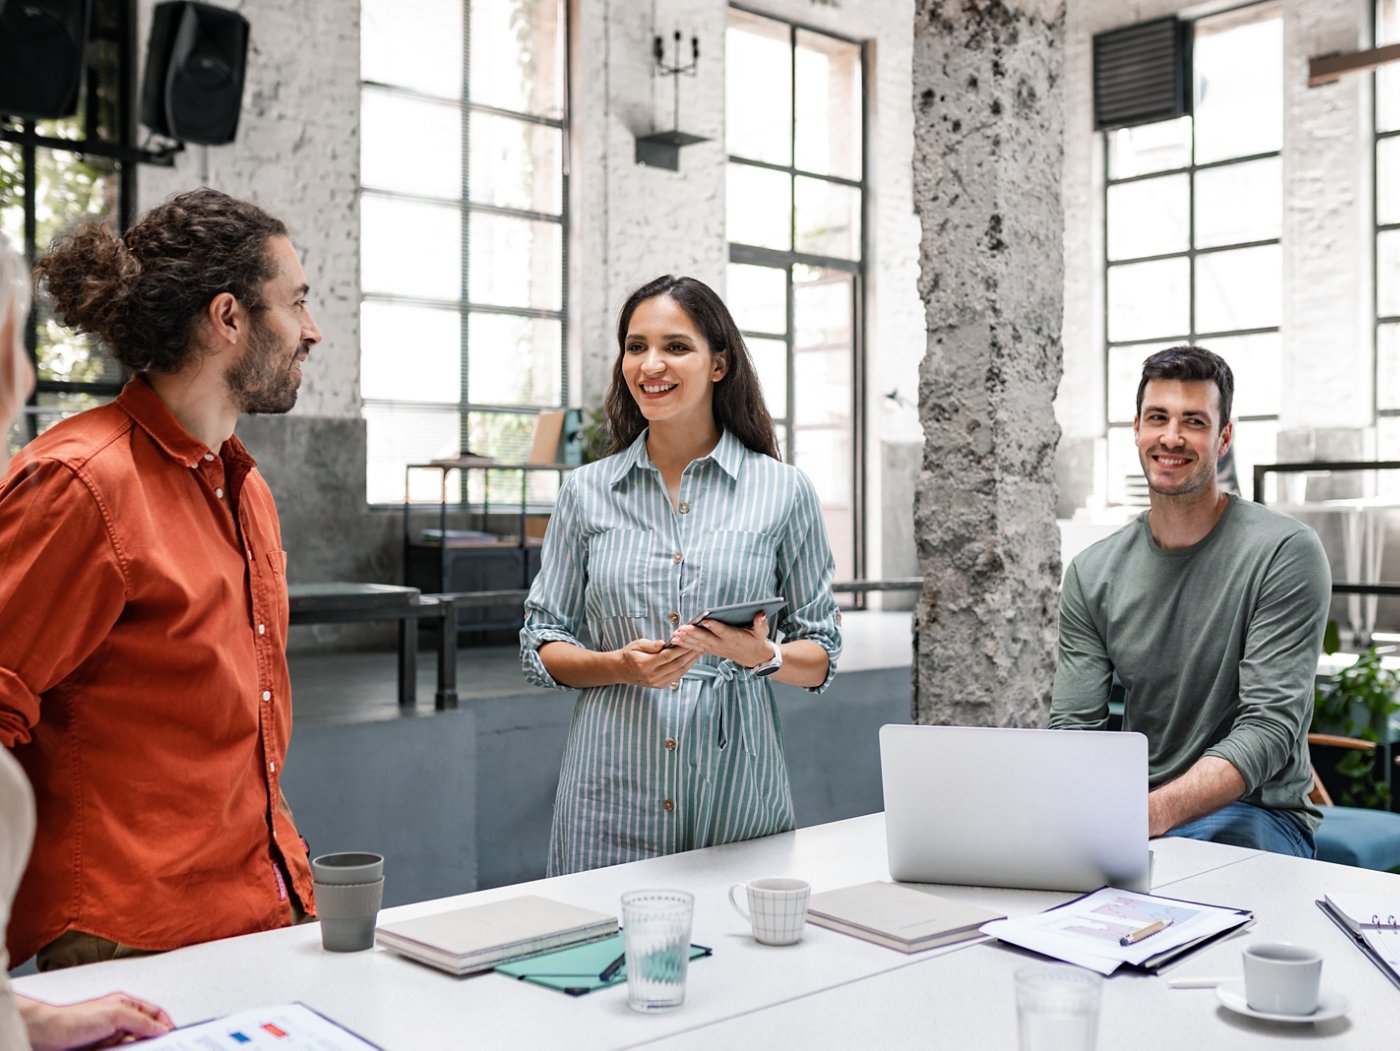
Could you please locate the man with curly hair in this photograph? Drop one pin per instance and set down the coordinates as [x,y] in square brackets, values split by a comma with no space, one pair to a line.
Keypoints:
[143,608]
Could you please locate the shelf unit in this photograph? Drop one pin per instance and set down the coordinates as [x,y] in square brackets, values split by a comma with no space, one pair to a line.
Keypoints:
[472,561]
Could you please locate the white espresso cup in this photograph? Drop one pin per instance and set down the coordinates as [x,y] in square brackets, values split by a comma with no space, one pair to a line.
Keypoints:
[1282,979]
[777,908]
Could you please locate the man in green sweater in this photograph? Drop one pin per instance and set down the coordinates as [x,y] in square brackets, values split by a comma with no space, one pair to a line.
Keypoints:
[1211,610]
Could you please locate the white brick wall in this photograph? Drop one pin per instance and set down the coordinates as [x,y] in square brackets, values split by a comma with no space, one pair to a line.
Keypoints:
[297,155]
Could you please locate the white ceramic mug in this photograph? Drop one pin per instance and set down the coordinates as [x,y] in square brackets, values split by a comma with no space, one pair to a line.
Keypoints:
[1282,979]
[777,908]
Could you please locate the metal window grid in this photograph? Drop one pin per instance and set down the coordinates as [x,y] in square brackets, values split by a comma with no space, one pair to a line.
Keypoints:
[1382,320]
[786,260]
[1191,254]
[463,304]
[121,16]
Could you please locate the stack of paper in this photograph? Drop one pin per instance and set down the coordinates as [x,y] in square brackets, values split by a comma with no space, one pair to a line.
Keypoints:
[896,916]
[1091,931]
[481,936]
[1373,922]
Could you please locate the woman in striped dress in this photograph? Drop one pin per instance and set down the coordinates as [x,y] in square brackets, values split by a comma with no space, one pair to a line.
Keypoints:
[677,747]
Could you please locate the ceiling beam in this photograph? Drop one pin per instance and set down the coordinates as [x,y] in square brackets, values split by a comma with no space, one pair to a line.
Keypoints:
[1326,69]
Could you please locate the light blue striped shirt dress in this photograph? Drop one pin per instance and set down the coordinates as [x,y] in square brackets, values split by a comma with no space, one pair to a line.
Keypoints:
[655,771]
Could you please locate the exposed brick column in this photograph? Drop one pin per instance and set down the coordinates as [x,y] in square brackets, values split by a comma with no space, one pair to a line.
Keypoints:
[988,133]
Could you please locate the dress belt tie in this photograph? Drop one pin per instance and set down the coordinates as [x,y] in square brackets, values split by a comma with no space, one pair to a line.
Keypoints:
[717,712]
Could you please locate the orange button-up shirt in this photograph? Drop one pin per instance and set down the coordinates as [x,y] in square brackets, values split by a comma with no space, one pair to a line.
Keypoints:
[144,684]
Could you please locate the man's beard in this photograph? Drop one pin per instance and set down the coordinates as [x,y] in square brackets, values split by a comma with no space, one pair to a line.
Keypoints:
[263,381]
[1199,478]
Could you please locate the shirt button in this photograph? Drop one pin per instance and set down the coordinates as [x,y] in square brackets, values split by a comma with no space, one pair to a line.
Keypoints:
[267,695]
[673,617]
[250,554]
[838,616]
[667,805]
[676,685]
[684,509]
[272,768]
[262,629]
[676,558]
[208,456]
[670,744]
[219,493]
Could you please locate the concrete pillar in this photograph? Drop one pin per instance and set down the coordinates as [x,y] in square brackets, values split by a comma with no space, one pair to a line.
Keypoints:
[988,136]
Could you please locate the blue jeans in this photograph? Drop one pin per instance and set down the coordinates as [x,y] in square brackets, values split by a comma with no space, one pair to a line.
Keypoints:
[1245,825]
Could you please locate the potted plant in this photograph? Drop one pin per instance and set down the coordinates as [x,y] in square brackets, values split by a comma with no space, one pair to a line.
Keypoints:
[1358,702]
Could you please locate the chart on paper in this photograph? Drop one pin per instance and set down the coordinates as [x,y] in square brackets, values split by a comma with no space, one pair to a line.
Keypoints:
[285,1027]
[1121,916]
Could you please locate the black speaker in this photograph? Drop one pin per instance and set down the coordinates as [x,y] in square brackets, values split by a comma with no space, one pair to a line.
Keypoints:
[193,87]
[41,56]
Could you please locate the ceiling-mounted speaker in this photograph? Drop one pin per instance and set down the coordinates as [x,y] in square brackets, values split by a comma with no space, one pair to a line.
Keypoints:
[193,88]
[41,56]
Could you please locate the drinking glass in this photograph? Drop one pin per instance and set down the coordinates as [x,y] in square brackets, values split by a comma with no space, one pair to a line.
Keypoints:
[656,942]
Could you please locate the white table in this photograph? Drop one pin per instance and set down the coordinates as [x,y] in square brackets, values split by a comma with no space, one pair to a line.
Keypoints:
[834,990]
[967,999]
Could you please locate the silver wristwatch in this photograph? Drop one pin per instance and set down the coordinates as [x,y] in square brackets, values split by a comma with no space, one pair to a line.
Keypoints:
[771,665]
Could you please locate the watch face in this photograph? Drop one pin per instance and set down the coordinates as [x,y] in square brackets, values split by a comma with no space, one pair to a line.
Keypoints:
[765,670]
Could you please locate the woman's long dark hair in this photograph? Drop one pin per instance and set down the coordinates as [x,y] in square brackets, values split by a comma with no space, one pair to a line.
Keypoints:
[738,397]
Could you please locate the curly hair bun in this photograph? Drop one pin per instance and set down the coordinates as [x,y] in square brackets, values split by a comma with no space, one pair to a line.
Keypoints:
[90,275]
[143,293]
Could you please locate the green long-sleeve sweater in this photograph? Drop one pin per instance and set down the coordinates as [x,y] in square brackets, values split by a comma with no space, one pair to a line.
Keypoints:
[1216,646]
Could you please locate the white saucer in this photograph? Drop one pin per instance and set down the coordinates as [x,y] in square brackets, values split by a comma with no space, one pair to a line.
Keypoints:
[1330,1005]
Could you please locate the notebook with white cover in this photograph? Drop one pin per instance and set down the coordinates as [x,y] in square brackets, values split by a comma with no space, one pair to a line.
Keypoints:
[899,917]
[479,937]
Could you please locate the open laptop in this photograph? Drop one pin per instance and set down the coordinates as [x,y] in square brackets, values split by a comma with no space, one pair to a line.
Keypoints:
[993,807]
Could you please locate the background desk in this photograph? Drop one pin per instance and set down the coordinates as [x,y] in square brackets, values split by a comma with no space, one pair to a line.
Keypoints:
[831,990]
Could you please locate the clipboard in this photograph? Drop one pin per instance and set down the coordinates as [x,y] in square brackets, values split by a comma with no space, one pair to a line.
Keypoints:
[575,970]
[1362,942]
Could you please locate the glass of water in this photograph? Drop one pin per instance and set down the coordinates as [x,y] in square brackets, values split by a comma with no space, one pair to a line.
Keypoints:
[1057,1007]
[656,941]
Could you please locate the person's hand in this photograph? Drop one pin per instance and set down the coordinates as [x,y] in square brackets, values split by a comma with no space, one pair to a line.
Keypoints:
[16,377]
[647,662]
[105,1022]
[744,646]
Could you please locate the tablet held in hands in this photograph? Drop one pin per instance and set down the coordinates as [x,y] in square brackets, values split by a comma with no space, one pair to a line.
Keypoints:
[739,614]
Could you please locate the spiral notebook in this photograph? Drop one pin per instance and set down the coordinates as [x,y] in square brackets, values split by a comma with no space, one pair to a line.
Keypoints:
[1373,922]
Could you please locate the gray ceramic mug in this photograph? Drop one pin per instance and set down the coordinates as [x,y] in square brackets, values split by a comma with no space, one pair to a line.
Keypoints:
[349,890]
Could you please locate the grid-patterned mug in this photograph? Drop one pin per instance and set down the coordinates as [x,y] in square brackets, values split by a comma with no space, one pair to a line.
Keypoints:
[777,908]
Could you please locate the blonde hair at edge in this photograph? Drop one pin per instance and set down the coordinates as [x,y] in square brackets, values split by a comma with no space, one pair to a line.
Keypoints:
[16,375]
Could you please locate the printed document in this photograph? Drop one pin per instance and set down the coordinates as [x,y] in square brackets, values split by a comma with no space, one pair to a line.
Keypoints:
[1089,930]
[285,1027]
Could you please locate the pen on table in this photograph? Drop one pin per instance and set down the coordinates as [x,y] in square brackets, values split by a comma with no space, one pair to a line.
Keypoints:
[1133,937]
[610,971]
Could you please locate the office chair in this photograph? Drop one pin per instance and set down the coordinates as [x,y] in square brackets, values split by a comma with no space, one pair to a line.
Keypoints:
[1364,838]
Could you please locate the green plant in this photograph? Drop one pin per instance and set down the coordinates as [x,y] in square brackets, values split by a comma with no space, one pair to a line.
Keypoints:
[1358,702]
[593,435]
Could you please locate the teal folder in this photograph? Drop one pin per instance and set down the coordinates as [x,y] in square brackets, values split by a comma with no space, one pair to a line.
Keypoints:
[576,970]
